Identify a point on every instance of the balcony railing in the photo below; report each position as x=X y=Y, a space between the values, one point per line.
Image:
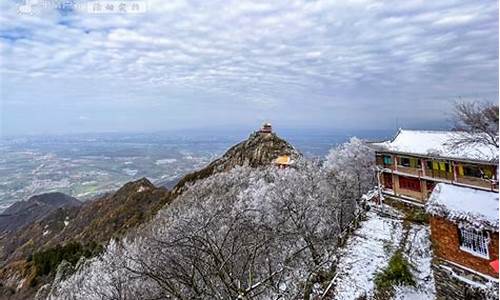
x=439 y=174
x=409 y=170
x=486 y=183
x=444 y=175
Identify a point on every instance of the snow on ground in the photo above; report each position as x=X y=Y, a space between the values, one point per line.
x=366 y=252
x=369 y=250
x=419 y=254
x=142 y=189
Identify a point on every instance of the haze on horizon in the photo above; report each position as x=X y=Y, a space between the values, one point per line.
x=361 y=64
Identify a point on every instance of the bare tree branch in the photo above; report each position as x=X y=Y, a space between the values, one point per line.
x=478 y=123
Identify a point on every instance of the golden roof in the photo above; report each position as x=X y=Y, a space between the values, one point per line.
x=282 y=160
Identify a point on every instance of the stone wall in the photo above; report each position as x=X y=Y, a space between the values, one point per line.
x=450 y=286
x=446 y=245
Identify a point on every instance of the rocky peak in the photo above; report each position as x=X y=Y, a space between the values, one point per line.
x=260 y=149
x=137 y=186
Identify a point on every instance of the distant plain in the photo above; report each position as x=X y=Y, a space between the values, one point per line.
x=88 y=165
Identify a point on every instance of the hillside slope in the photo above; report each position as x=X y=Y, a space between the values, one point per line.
x=112 y=215
x=93 y=223
x=34 y=209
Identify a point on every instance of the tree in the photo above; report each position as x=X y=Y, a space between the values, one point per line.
x=263 y=233
x=479 y=123
x=353 y=163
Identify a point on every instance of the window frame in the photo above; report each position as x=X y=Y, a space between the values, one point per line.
x=473 y=235
x=416 y=165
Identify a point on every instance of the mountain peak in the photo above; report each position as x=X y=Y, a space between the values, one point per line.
x=35 y=208
x=261 y=148
x=137 y=186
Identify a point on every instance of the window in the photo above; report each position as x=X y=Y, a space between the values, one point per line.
x=404 y=161
x=475 y=171
x=408 y=183
x=472 y=171
x=409 y=162
x=488 y=173
x=387 y=160
x=440 y=166
x=474 y=241
x=415 y=163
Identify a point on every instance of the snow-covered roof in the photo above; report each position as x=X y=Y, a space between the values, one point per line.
x=462 y=204
x=437 y=143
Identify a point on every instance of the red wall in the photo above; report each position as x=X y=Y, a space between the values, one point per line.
x=445 y=241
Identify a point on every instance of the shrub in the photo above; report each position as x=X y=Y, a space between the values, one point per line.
x=418 y=216
x=46 y=261
x=396 y=273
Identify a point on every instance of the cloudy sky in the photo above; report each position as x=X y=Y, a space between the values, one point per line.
x=360 y=64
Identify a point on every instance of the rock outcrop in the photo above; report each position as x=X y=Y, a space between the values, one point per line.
x=259 y=149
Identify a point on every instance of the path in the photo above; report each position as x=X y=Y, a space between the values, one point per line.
x=369 y=250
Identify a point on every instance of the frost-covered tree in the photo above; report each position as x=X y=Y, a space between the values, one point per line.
x=245 y=234
x=478 y=121
x=353 y=163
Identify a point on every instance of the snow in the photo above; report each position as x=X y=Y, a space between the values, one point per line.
x=370 y=195
x=419 y=253
x=437 y=143
x=46 y=232
x=464 y=279
x=367 y=252
x=477 y=207
x=142 y=189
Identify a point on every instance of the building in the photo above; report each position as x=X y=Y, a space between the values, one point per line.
x=414 y=161
x=266 y=128
x=283 y=161
x=464 y=234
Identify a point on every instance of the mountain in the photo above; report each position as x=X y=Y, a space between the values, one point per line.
x=85 y=228
x=114 y=214
x=259 y=149
x=94 y=221
x=34 y=209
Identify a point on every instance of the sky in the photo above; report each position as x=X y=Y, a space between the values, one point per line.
x=344 y=65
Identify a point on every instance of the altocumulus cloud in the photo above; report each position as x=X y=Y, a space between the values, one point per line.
x=353 y=64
